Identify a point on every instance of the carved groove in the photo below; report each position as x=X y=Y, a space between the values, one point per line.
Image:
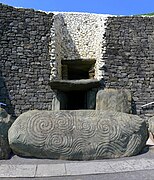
x=78 y=134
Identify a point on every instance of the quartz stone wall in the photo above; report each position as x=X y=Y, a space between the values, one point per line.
x=78 y=36
x=25 y=59
x=122 y=47
x=56 y=46
x=129 y=58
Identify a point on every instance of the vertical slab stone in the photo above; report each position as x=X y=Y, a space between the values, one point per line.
x=114 y=100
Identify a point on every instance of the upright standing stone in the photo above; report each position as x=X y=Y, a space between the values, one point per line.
x=114 y=100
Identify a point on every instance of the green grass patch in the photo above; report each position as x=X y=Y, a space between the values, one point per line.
x=148 y=14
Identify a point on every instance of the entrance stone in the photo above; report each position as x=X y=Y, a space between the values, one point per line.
x=77 y=135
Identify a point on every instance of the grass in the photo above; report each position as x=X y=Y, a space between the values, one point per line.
x=149 y=14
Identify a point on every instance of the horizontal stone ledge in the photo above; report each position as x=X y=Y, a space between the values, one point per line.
x=74 y=85
x=74 y=168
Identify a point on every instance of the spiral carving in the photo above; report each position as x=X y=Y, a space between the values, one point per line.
x=64 y=121
x=81 y=135
x=108 y=128
x=38 y=128
x=59 y=142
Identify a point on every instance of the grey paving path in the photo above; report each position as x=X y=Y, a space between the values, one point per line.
x=40 y=168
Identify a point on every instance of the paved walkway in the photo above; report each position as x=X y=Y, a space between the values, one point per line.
x=30 y=168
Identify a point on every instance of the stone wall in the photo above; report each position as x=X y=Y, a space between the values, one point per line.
x=33 y=43
x=122 y=47
x=79 y=36
x=25 y=59
x=56 y=47
x=129 y=58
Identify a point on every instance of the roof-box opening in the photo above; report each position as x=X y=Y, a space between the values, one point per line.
x=78 y=69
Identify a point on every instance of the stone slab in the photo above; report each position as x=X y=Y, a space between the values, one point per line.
x=77 y=135
x=77 y=85
x=45 y=170
x=114 y=99
x=88 y=168
x=141 y=164
x=65 y=169
x=17 y=170
x=121 y=166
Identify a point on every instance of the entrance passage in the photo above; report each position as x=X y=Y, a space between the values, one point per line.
x=78 y=69
x=76 y=100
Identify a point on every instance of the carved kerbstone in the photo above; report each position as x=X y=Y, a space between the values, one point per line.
x=77 y=135
x=114 y=100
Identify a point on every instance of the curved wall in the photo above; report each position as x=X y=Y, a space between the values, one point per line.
x=33 y=43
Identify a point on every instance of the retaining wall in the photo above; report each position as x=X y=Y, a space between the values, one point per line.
x=129 y=58
x=33 y=43
x=25 y=59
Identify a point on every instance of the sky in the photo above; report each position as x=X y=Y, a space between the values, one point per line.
x=114 y=7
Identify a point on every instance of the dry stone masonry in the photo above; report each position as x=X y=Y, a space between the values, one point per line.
x=129 y=58
x=77 y=36
x=71 y=62
x=24 y=59
x=34 y=43
x=35 y=47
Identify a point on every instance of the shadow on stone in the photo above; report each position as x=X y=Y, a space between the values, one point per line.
x=133 y=107
x=144 y=150
x=4 y=97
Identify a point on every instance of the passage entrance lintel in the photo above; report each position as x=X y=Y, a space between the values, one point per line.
x=76 y=85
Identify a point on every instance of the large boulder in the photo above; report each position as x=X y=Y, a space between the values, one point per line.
x=5 y=122
x=77 y=135
x=114 y=100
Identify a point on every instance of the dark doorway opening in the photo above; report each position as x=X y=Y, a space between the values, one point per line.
x=75 y=100
x=74 y=73
x=78 y=69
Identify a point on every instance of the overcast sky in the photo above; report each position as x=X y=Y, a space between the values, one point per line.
x=115 y=7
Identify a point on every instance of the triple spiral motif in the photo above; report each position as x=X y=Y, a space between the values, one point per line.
x=80 y=134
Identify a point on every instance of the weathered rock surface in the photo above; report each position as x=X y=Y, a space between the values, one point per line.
x=80 y=135
x=70 y=85
x=114 y=100
x=5 y=123
x=151 y=124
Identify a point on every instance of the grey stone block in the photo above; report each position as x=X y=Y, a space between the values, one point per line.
x=44 y=170
x=121 y=166
x=114 y=100
x=88 y=168
x=16 y=170
x=141 y=164
x=80 y=135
